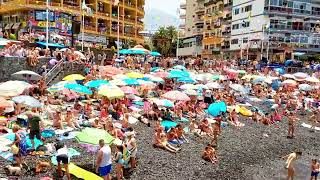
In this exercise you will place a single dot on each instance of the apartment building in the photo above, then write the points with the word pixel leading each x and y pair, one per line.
pixel 100 24
pixel 192 26
pixel 274 29
pixel 217 28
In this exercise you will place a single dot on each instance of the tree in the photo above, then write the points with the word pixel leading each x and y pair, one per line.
pixel 164 40
pixel 128 44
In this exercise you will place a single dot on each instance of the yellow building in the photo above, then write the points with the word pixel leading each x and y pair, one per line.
pixel 212 35
pixel 100 23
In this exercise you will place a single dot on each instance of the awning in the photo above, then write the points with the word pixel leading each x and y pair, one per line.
pixel 8 26
pixel 16 25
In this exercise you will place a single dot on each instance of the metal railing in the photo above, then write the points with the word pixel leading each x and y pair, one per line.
pixel 54 72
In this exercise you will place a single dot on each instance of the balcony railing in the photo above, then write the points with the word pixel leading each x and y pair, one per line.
pixel 183 6
pixel 198 21
pixel 197 31
pixel 290 28
pixel 287 10
pixel 182 16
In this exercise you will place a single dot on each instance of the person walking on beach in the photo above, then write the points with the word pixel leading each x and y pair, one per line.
pixel 291 124
pixel 104 161
pixel 291 158
pixel 34 126
pixel 315 167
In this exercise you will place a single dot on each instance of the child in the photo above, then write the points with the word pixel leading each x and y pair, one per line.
pixel 315 167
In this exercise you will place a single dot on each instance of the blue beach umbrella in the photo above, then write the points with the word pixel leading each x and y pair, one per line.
pixel 217 108
pixel 78 88
pixel 154 53
pixel 96 83
pixel 138 52
pixel 186 80
pixel 132 82
pixel 179 67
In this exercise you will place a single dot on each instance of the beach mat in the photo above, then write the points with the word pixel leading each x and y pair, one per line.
pixel 81 173
pixel 309 126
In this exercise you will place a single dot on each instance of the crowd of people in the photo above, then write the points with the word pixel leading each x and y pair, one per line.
pixel 235 86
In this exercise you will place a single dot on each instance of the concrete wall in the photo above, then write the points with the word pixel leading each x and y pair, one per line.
pixel 10 65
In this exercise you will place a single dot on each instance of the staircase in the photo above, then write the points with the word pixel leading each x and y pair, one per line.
pixel 62 69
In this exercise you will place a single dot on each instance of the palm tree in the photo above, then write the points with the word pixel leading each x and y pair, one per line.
pixel 164 40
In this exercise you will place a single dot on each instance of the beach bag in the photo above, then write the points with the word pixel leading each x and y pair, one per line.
pixel 14 149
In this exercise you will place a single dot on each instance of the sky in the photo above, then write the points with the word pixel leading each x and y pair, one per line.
pixel 168 6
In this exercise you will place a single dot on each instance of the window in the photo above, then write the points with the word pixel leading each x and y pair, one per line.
pixel 235 26
pixel 236 11
pixel 248 8
pixel 245 40
pixel 234 41
pixel 246 24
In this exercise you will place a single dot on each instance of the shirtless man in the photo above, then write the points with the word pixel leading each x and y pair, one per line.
pixel 315 167
pixel 291 124
pixel 290 163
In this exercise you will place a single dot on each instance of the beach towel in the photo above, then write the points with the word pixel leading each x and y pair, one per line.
pixel 37 142
pixel 71 135
pixel 82 174
pixel 309 126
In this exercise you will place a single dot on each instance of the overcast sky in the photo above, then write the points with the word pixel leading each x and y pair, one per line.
pixel 168 6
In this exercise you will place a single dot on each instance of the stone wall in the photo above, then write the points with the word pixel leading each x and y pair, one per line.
pixel 10 65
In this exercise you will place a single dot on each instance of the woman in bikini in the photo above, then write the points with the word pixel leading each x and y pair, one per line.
pixel 161 141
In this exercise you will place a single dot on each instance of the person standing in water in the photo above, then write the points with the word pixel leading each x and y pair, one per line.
pixel 315 167
pixel 291 158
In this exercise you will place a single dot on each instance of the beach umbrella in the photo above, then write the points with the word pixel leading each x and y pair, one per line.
pixel 289 76
pixel 216 109
pixel 300 75
pixel 191 92
pixel 119 76
pixel 156 79
pixel 238 87
pixel 289 82
pixel 247 77
pixel 13 88
pixel 162 102
pixel 201 86
pixel 188 86
pixel 60 86
pixel 161 74
pixel 259 80
pixel 155 69
pixel 186 80
pixel 204 77
pixel 132 82
pixel 4 103
pixel 139 52
pixel 80 54
pixel 117 82
pixel 78 88
pixel 27 75
pixel 154 53
pixel 129 90
pixel 180 67
pixel 242 72
pixel 280 70
pixel 176 96
pixel 27 100
pixel 312 79
pixel 110 70
pixel 96 83
pixel 134 75
pixel 93 135
pixel 140 48
pixel 73 77
pixel 111 92
pixel 218 77
pixel 305 87
pixel 123 51
pixel 178 74
pixel 214 85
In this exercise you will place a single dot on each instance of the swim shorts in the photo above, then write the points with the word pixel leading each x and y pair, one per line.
pixel 103 171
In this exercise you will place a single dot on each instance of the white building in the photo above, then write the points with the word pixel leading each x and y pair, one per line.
pixel 292 25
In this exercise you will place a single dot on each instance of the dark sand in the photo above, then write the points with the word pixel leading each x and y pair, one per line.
pixel 243 154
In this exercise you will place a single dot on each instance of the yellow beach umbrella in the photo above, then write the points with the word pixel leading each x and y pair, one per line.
pixel 135 75
pixel 74 77
pixel 111 92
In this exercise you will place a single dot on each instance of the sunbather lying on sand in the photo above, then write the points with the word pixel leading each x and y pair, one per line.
pixel 161 141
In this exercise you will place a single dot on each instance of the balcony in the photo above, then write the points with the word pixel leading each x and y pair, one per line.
pixel 197 31
pixel 183 6
pixel 182 26
pixel 291 11
pixel 183 16
pixel 199 10
pixel 286 28
pixel 198 21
